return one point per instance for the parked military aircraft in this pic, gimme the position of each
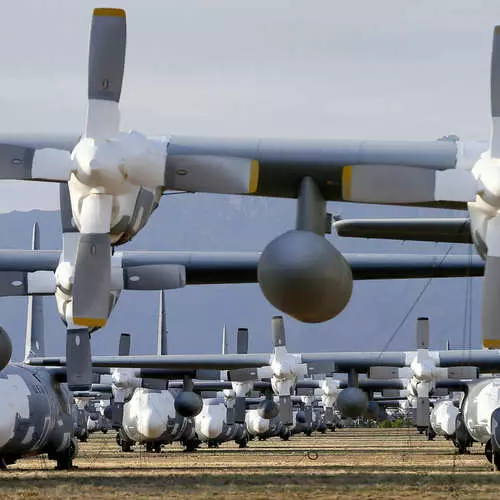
(116, 180)
(35, 408)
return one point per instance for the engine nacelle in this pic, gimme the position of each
(303, 275)
(352, 402)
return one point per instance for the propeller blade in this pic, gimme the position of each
(239, 409)
(278, 329)
(423, 412)
(495, 95)
(423, 333)
(78, 359)
(108, 36)
(491, 287)
(242, 341)
(92, 280)
(124, 345)
(286, 410)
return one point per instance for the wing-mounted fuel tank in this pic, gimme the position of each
(300, 272)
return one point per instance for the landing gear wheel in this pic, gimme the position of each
(488, 451)
(191, 445)
(496, 460)
(64, 459)
(243, 443)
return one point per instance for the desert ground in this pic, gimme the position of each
(349, 463)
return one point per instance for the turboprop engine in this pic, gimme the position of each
(300, 272)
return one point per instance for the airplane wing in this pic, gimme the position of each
(487, 360)
(449, 230)
(170, 361)
(31, 272)
(337, 166)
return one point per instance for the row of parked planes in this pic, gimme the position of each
(183, 398)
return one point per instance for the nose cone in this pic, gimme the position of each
(256, 424)
(210, 427)
(352, 402)
(151, 423)
(5, 348)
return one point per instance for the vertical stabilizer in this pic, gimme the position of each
(35, 328)
(162, 326)
(224, 339)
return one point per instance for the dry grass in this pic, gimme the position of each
(352, 463)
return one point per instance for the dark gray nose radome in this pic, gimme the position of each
(5, 348)
(268, 409)
(303, 275)
(188, 404)
(300, 417)
(352, 402)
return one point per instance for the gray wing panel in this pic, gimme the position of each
(378, 385)
(485, 360)
(378, 266)
(39, 141)
(180, 361)
(29, 260)
(360, 361)
(241, 267)
(451, 230)
(436, 155)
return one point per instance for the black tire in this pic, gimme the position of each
(64, 459)
(488, 451)
(496, 460)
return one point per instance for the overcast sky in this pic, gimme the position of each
(355, 69)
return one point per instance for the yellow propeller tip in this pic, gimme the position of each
(108, 11)
(491, 344)
(90, 322)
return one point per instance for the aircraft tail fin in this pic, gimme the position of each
(35, 328)
(162, 326)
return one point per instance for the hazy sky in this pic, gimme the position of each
(358, 69)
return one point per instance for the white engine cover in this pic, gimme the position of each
(256, 425)
(443, 418)
(209, 423)
(146, 414)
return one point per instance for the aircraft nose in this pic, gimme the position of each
(151, 424)
(211, 428)
(261, 425)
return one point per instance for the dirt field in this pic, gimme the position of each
(352, 463)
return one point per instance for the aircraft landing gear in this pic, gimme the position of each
(64, 459)
(493, 457)
(123, 441)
